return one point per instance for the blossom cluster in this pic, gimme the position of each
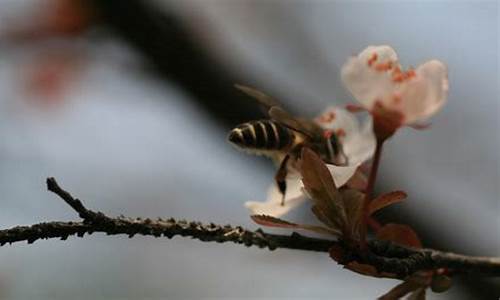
(394, 97)
(342, 194)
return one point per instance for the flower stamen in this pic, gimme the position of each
(372, 59)
(396, 98)
(399, 76)
(383, 67)
(328, 134)
(327, 118)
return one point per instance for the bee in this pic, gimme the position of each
(283, 136)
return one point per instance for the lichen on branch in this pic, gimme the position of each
(383, 255)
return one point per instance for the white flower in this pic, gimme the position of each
(358, 144)
(294, 196)
(375, 78)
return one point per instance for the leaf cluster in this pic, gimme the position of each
(342, 213)
(340, 210)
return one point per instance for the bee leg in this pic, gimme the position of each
(344, 160)
(280, 178)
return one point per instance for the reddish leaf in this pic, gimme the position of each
(336, 253)
(422, 126)
(418, 294)
(365, 168)
(353, 204)
(386, 200)
(400, 290)
(325, 219)
(354, 108)
(440, 283)
(367, 270)
(321, 229)
(319, 183)
(358, 181)
(272, 221)
(414, 284)
(363, 269)
(399, 234)
(374, 224)
(315, 174)
(276, 222)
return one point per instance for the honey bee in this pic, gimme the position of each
(283, 136)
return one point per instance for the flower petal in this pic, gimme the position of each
(360, 147)
(375, 77)
(424, 95)
(365, 76)
(342, 174)
(358, 144)
(272, 206)
(335, 118)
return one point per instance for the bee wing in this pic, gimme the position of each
(273, 108)
(303, 126)
(264, 100)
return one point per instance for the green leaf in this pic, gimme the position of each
(399, 234)
(276, 222)
(386, 200)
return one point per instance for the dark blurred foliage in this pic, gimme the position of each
(56, 18)
(177, 56)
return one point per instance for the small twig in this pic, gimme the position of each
(87, 215)
(385, 256)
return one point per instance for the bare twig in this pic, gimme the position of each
(87, 215)
(385, 256)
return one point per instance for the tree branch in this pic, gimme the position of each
(383, 255)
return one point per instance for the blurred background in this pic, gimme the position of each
(128, 103)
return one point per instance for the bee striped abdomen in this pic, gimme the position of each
(262, 135)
